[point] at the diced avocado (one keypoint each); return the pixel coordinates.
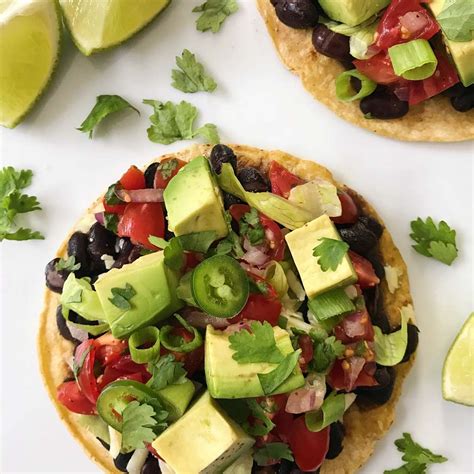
(205, 440)
(95, 425)
(301, 243)
(79, 296)
(194, 202)
(352, 12)
(462, 52)
(176, 398)
(242, 465)
(155, 286)
(226, 378)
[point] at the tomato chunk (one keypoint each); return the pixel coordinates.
(133, 179)
(378, 68)
(349, 213)
(365, 271)
(281, 180)
(69, 394)
(167, 169)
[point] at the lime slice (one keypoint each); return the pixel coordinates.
(100, 24)
(30, 32)
(458, 370)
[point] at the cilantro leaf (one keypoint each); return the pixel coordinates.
(256, 346)
(172, 122)
(272, 451)
(192, 77)
(325, 353)
(457, 19)
(263, 424)
(214, 13)
(330, 253)
(21, 234)
(138, 425)
(251, 227)
(167, 167)
(75, 297)
(111, 222)
(193, 242)
(166, 371)
(174, 254)
(121, 297)
(12, 180)
(272, 380)
(431, 241)
(68, 264)
(415, 456)
(105, 105)
(22, 203)
(231, 244)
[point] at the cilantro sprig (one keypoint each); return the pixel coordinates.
(191, 76)
(69, 264)
(272, 451)
(121, 297)
(166, 371)
(326, 351)
(214, 13)
(330, 252)
(172, 122)
(416, 458)
(14, 202)
(251, 227)
(438, 242)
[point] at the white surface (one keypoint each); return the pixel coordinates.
(257, 103)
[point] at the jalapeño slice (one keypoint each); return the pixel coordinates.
(220, 286)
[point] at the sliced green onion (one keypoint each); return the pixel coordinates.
(149, 336)
(177, 343)
(332, 303)
(345, 91)
(414, 60)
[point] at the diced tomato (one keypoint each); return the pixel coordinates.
(139, 221)
(167, 170)
(133, 179)
(309, 448)
(378, 68)
(349, 213)
(69, 394)
(337, 380)
(84, 357)
(281, 180)
(366, 276)
(114, 208)
(355, 327)
(111, 375)
(405, 20)
(283, 422)
(109, 349)
(306, 346)
(444, 77)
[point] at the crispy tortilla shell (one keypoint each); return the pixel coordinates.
(364, 426)
(434, 120)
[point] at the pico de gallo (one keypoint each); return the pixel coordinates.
(266, 321)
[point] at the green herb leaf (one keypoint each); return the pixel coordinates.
(191, 77)
(172, 122)
(214, 13)
(75, 297)
(330, 252)
(167, 167)
(431, 241)
(121, 297)
(166, 371)
(138, 424)
(272, 380)
(68, 264)
(251, 227)
(105, 105)
(416, 457)
(271, 451)
(13, 202)
(256, 346)
(77, 364)
(111, 197)
(174, 254)
(111, 221)
(325, 353)
(331, 410)
(258, 412)
(457, 19)
(194, 242)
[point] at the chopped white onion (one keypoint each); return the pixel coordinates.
(164, 468)
(115, 442)
(136, 462)
(77, 333)
(392, 274)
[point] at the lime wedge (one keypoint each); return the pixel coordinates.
(458, 370)
(30, 32)
(100, 24)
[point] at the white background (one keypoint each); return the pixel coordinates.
(257, 103)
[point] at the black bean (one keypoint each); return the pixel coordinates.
(101, 241)
(150, 175)
(252, 180)
(126, 253)
(455, 91)
(360, 239)
(381, 320)
(331, 44)
(336, 440)
(463, 103)
(412, 342)
(221, 154)
(78, 319)
(372, 300)
(230, 199)
(62, 326)
(297, 13)
(121, 461)
(383, 104)
(373, 256)
(378, 394)
(151, 466)
(200, 377)
(285, 467)
(373, 225)
(77, 247)
(55, 278)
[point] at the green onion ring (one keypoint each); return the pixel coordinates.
(142, 336)
(166, 337)
(344, 90)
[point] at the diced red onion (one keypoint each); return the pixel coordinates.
(255, 271)
(350, 376)
(140, 195)
(370, 367)
(200, 320)
(237, 327)
(402, 91)
(413, 22)
(353, 326)
(99, 217)
(310, 397)
(77, 333)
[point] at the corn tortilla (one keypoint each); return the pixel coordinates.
(363, 426)
(434, 120)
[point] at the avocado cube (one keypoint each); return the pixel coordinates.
(194, 202)
(352, 12)
(226, 378)
(301, 243)
(205, 440)
(155, 299)
(175, 398)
